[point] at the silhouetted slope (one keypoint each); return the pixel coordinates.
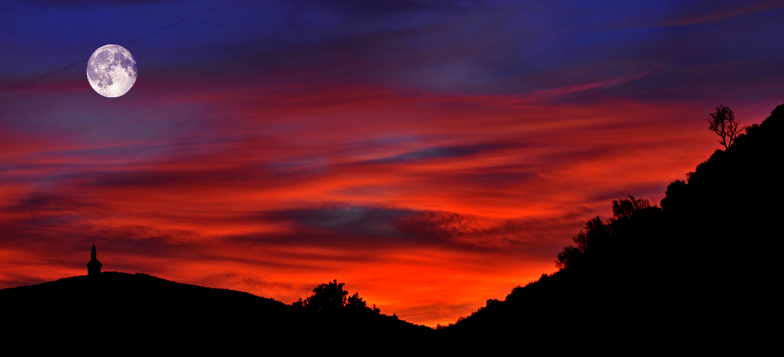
(140, 312)
(733, 200)
(700, 272)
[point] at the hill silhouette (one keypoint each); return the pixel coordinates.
(699, 271)
(141, 312)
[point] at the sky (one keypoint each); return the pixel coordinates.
(431, 155)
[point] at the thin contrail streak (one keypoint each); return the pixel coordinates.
(177, 23)
(36, 79)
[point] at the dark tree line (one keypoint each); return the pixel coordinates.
(332, 298)
(599, 233)
(699, 271)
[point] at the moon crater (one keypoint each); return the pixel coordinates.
(111, 71)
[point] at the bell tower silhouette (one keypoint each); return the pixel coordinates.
(93, 266)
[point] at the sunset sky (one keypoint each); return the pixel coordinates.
(431, 155)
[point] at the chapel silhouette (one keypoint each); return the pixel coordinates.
(93, 266)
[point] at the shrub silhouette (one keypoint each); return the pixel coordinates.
(333, 299)
(328, 297)
(598, 235)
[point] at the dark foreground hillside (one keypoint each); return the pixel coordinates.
(117, 312)
(701, 271)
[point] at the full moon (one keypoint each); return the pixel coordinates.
(111, 71)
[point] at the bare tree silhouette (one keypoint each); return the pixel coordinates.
(723, 123)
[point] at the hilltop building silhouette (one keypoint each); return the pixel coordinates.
(93, 266)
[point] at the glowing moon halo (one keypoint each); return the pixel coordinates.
(111, 71)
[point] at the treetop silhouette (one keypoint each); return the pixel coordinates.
(723, 123)
(598, 233)
(332, 298)
(326, 297)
